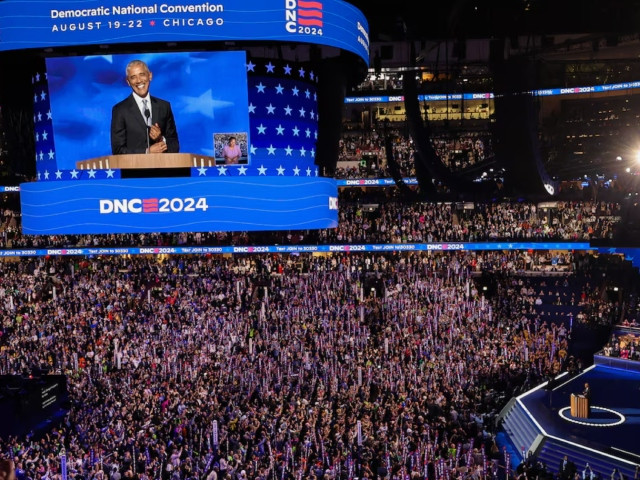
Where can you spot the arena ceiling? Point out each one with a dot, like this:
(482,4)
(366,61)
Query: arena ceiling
(423,19)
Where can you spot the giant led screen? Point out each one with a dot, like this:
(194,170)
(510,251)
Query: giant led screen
(92,179)
(226,140)
(207,93)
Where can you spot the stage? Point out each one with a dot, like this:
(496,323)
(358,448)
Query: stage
(540,422)
(615,405)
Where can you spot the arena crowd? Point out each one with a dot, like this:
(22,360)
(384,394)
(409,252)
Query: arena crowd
(380,218)
(457,152)
(342,366)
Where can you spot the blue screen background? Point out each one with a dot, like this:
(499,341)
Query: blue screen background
(207,91)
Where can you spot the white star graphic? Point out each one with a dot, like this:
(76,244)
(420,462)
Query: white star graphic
(49,115)
(37,77)
(302,112)
(38,175)
(287,110)
(250,66)
(296,171)
(74,173)
(92,173)
(313,153)
(110,173)
(261,129)
(39,117)
(287,69)
(46,175)
(295,131)
(311,114)
(315,96)
(262,170)
(280,129)
(41,156)
(315,134)
(295,91)
(43,95)
(308,172)
(252,108)
(270,67)
(35,98)
(37,137)
(260,87)
(280,170)
(253,150)
(205,104)
(301,72)
(58,174)
(288,150)
(307,132)
(307,93)
(271,150)
(242,170)
(51,154)
(222,170)
(311,74)
(44,135)
(36,156)
(270,109)
(202,172)
(316,172)
(279,89)
(303,152)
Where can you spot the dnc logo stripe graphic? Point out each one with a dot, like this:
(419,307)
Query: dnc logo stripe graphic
(149,205)
(310,13)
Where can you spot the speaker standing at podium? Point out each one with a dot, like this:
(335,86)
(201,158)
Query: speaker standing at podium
(586,393)
(142,123)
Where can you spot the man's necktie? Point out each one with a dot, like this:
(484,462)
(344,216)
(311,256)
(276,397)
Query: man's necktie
(146,112)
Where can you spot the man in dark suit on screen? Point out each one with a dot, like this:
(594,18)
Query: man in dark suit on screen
(142,123)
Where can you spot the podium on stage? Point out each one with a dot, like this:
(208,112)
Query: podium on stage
(147,160)
(579,406)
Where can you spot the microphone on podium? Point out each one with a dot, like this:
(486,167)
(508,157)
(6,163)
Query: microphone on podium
(147,115)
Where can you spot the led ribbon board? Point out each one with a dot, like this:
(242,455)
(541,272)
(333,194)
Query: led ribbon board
(49,24)
(179,205)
